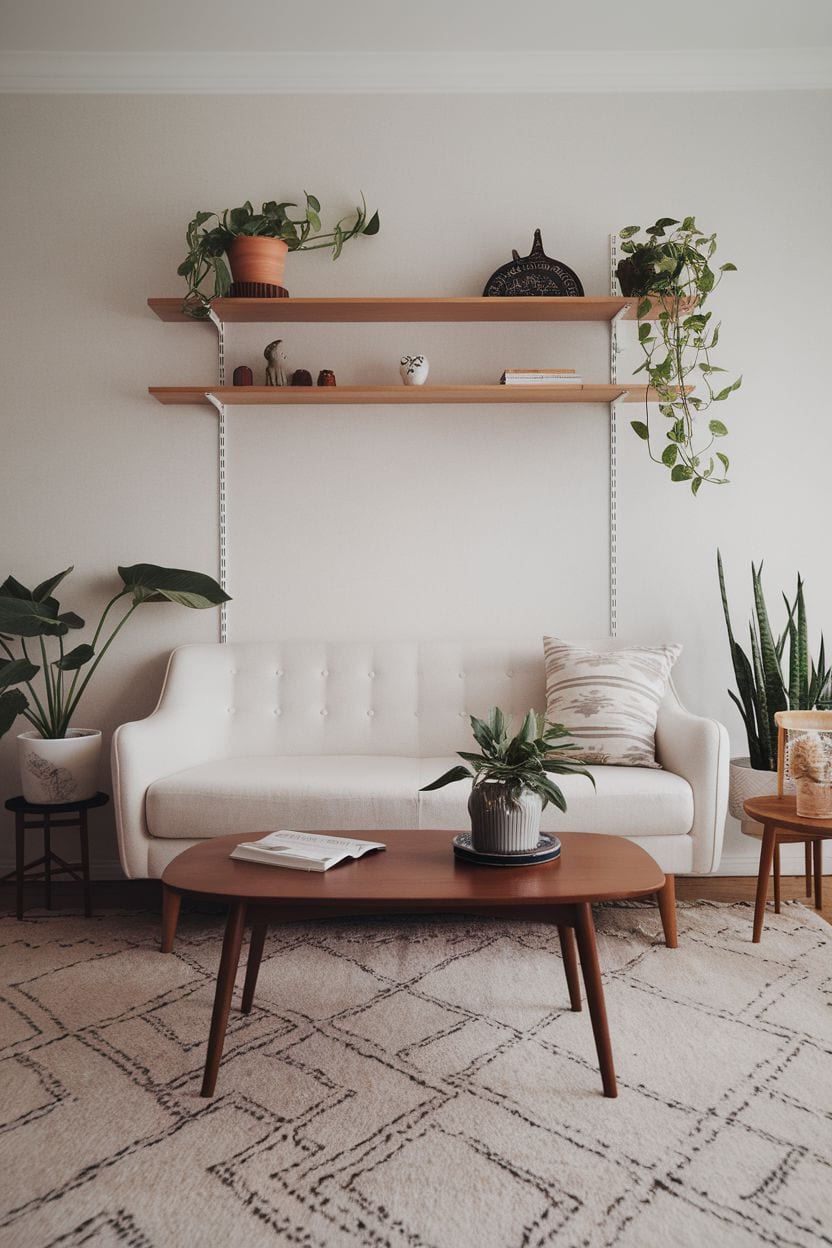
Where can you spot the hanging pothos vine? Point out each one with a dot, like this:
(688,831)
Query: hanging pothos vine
(673,271)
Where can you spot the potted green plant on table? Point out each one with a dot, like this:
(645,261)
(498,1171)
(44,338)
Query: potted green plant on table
(673,273)
(763,687)
(511,780)
(59,763)
(251,247)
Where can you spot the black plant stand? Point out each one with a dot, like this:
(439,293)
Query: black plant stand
(28,815)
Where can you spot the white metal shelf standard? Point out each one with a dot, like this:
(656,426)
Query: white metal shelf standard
(222,490)
(613,485)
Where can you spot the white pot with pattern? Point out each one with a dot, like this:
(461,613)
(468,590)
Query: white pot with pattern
(56,770)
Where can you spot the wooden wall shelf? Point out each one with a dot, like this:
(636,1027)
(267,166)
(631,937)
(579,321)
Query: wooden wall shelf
(310,396)
(362,310)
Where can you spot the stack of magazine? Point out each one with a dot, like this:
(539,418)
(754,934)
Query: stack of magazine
(302,851)
(540,377)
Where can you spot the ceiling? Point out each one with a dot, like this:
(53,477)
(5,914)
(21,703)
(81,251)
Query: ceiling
(399,45)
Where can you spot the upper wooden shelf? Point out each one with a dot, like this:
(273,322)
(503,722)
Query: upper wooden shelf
(355,309)
(310,396)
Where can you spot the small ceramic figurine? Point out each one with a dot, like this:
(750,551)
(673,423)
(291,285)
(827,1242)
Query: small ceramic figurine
(326,377)
(243,376)
(301,377)
(414,369)
(275,364)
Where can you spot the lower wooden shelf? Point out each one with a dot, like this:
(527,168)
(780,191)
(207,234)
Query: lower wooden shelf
(326,395)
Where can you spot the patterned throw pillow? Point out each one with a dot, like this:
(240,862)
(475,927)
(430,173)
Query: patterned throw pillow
(609,701)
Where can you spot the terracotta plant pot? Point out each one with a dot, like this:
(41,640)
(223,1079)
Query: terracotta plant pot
(254,259)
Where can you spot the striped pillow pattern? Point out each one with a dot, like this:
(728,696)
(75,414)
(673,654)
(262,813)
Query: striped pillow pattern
(608,701)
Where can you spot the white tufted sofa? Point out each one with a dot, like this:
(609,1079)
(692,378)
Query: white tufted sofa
(342,735)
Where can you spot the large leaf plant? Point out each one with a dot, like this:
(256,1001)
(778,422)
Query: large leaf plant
(673,271)
(523,761)
(762,687)
(33,617)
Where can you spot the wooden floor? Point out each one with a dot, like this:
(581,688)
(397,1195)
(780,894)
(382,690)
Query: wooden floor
(142,894)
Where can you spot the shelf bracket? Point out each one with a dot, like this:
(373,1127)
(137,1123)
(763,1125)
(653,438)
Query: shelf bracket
(222,480)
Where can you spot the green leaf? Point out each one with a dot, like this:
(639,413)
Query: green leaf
(373,225)
(71,619)
(723,459)
(149,582)
(717,429)
(75,659)
(728,268)
(455,773)
(16,671)
(12,588)
(21,617)
(313,219)
(681,473)
(313,203)
(695,485)
(644,332)
(669,454)
(643,308)
(12,703)
(629,231)
(639,428)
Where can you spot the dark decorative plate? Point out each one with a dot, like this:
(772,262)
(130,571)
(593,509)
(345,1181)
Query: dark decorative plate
(534,274)
(548,847)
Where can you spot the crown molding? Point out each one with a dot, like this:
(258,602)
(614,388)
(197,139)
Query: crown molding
(282,73)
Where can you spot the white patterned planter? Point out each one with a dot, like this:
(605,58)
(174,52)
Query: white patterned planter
(500,826)
(747,782)
(55,770)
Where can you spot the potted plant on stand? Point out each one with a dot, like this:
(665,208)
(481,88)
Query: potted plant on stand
(251,247)
(59,763)
(511,780)
(674,270)
(762,688)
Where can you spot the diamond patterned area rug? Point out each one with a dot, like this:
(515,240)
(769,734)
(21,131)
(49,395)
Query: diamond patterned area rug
(418,1084)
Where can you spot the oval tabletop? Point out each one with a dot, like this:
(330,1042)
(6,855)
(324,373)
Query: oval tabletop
(782,812)
(418,870)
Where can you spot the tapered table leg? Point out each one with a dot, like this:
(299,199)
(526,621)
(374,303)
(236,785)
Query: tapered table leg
(776,877)
(588,950)
(222,1000)
(19,846)
(255,953)
(171,903)
(570,964)
(766,856)
(666,898)
(818,853)
(807,851)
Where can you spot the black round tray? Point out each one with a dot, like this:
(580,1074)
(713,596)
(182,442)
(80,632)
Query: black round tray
(547,849)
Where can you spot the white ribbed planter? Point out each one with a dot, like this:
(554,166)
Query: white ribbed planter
(499,826)
(55,770)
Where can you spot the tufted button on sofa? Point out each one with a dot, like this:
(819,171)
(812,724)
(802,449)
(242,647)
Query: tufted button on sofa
(317,735)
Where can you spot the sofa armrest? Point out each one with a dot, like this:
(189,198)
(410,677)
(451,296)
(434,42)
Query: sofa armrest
(697,749)
(144,751)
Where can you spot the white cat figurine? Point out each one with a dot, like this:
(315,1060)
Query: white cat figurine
(414,369)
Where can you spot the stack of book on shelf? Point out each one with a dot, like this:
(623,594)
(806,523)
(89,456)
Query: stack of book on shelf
(540,377)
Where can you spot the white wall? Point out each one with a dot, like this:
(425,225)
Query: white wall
(438,521)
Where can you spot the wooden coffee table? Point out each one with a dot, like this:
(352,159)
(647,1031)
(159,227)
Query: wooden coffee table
(417,873)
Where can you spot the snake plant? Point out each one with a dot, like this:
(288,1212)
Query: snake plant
(762,687)
(523,761)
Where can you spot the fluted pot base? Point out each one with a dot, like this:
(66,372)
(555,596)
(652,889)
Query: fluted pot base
(500,825)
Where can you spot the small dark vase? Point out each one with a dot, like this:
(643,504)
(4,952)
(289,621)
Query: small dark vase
(243,376)
(326,377)
(301,377)
(634,278)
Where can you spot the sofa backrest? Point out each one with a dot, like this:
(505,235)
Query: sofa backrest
(322,697)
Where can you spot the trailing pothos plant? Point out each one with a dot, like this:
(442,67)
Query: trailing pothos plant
(673,269)
(31,616)
(762,687)
(301,231)
(520,761)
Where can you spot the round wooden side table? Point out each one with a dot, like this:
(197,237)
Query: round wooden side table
(782,824)
(29,815)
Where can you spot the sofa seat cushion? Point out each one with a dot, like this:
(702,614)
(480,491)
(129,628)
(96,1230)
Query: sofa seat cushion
(627,801)
(265,793)
(353,792)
